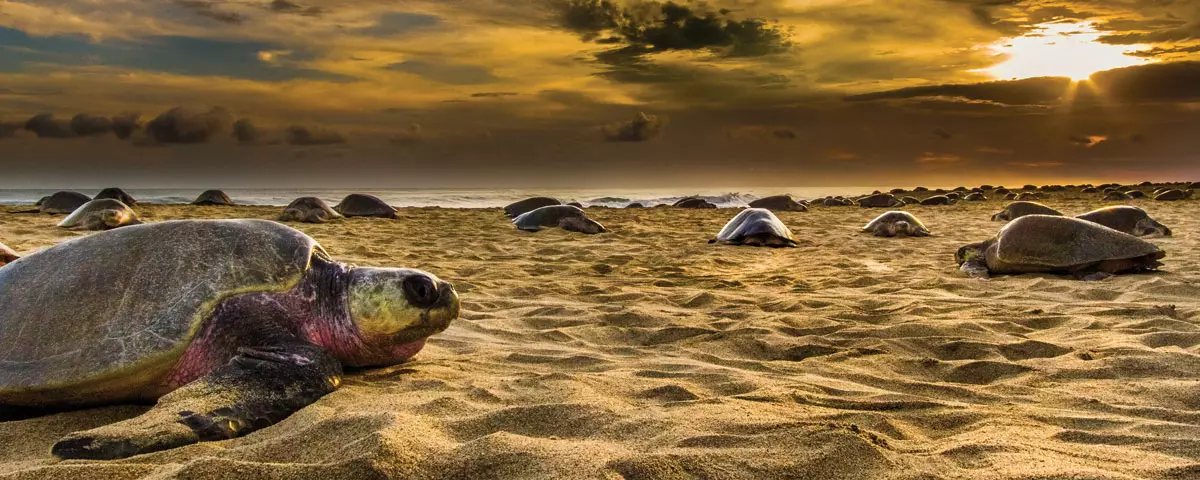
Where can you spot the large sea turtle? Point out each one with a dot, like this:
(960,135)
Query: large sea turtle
(938,200)
(1017,210)
(362,205)
(213,197)
(1053,244)
(1124,218)
(7,255)
(880,200)
(308,210)
(517,209)
(1173,195)
(102,214)
(895,224)
(756,227)
(60,202)
(693,202)
(567,217)
(231,325)
(116,194)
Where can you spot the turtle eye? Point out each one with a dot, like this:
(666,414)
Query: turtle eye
(421,291)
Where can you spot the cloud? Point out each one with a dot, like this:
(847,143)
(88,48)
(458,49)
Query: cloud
(44,125)
(414,134)
(285,6)
(936,158)
(302,135)
(208,9)
(643,127)
(493,94)
(1174,81)
(245,131)
(393,24)
(181,125)
(1030,91)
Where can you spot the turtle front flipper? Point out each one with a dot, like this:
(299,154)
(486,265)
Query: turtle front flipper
(257,388)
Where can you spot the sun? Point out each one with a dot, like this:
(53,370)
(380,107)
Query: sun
(1061,50)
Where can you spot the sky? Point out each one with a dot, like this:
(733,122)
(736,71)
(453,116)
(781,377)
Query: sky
(596,93)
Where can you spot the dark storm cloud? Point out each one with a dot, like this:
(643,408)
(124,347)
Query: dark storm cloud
(1176,81)
(245,131)
(1030,91)
(643,127)
(303,135)
(208,9)
(124,125)
(182,125)
(44,125)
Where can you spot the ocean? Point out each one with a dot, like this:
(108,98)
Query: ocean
(462,198)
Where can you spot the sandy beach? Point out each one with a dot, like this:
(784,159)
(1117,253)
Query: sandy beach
(648,353)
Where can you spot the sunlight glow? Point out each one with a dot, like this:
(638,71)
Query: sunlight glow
(1061,50)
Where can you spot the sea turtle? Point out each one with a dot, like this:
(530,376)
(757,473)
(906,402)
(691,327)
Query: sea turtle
(362,205)
(1089,190)
(1027,196)
(213,197)
(60,202)
(575,204)
(231,325)
(116,194)
(920,189)
(975,197)
(756,227)
(1001,191)
(635,205)
(1051,244)
(1131,220)
(1010,196)
(1136,194)
(1017,210)
(1115,196)
(896,224)
(517,209)
(7,255)
(308,210)
(937,200)
(880,200)
(1173,194)
(693,202)
(897,191)
(911,200)
(954,196)
(780,203)
(836,202)
(569,218)
(102,214)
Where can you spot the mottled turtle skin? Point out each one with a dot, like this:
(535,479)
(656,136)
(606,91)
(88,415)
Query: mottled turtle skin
(102,214)
(231,325)
(213,198)
(779,203)
(362,205)
(308,210)
(896,224)
(1017,210)
(1054,244)
(756,227)
(62,202)
(7,255)
(522,207)
(116,194)
(1127,219)
(693,202)
(1173,195)
(568,218)
(880,200)
(938,200)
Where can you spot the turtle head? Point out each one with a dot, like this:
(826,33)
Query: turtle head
(399,306)
(582,224)
(970,252)
(903,228)
(1150,227)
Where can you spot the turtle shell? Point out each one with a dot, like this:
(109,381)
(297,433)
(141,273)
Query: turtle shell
(213,197)
(79,218)
(517,209)
(783,203)
(880,200)
(308,209)
(63,202)
(1122,218)
(362,205)
(134,299)
(893,217)
(1020,209)
(1061,242)
(546,217)
(754,221)
(116,194)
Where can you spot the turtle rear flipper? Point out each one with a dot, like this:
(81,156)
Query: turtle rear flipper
(257,388)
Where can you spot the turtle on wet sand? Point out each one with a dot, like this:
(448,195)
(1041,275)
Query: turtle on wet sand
(363,205)
(232,325)
(102,214)
(693,202)
(880,200)
(896,224)
(1124,218)
(522,207)
(779,203)
(571,219)
(7,255)
(938,200)
(213,197)
(1054,244)
(756,227)
(1173,195)
(308,210)
(1017,210)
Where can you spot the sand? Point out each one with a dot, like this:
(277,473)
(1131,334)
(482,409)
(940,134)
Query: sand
(647,353)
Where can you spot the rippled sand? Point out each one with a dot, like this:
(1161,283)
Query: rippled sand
(647,353)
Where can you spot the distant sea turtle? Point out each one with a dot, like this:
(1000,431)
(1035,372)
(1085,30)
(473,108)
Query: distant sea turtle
(937,200)
(231,324)
(1131,220)
(1045,243)
(1173,194)
(60,202)
(308,210)
(779,203)
(880,200)
(1115,196)
(1027,196)
(693,202)
(362,205)
(1136,194)
(7,255)
(896,223)
(116,194)
(911,200)
(975,197)
(635,205)
(836,202)
(575,204)
(103,214)
(569,218)
(1017,210)
(517,209)
(1089,190)
(756,227)
(213,197)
